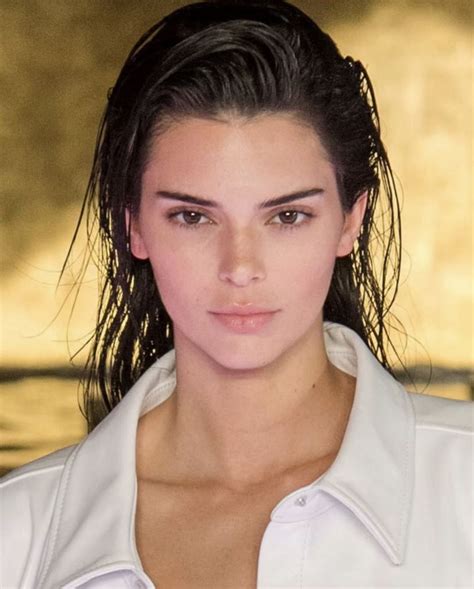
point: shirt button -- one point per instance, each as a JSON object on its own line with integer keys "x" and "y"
{"x": 301, "y": 501}
{"x": 139, "y": 584}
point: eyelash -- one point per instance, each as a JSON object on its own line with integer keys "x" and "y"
{"x": 173, "y": 214}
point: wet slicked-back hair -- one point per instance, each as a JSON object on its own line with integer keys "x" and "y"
{"x": 213, "y": 60}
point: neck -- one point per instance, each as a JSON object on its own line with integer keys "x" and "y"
{"x": 239, "y": 431}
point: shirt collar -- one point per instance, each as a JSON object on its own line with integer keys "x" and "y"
{"x": 372, "y": 474}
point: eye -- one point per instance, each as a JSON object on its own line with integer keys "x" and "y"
{"x": 191, "y": 218}
{"x": 289, "y": 216}
{"x": 188, "y": 215}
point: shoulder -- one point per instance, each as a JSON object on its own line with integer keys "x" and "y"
{"x": 443, "y": 458}
{"x": 443, "y": 446}
{"x": 30, "y": 490}
{"x": 28, "y": 496}
{"x": 443, "y": 415}
{"x": 46, "y": 466}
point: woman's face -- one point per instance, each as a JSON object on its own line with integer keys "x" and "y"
{"x": 206, "y": 257}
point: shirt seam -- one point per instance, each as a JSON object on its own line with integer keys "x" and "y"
{"x": 403, "y": 519}
{"x": 55, "y": 531}
{"x": 408, "y": 482}
{"x": 304, "y": 554}
{"x": 445, "y": 428}
{"x": 93, "y": 572}
{"x": 23, "y": 475}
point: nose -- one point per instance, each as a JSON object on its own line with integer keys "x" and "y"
{"x": 239, "y": 260}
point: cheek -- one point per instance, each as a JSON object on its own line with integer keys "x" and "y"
{"x": 180, "y": 278}
{"x": 310, "y": 264}
{"x": 312, "y": 283}
{"x": 307, "y": 288}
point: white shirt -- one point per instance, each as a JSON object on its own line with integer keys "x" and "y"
{"x": 393, "y": 510}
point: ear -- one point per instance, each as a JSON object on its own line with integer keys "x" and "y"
{"x": 137, "y": 245}
{"x": 352, "y": 224}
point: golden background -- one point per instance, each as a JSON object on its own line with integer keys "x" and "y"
{"x": 57, "y": 61}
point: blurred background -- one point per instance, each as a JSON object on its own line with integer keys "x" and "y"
{"x": 58, "y": 59}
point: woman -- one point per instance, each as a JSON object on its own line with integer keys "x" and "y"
{"x": 245, "y": 426}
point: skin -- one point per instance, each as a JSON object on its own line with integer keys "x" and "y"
{"x": 247, "y": 407}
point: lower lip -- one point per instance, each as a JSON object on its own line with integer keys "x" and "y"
{"x": 245, "y": 323}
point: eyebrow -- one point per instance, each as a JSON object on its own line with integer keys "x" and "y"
{"x": 266, "y": 204}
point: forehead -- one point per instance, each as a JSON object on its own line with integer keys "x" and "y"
{"x": 207, "y": 154}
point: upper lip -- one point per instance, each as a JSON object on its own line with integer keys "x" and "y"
{"x": 238, "y": 309}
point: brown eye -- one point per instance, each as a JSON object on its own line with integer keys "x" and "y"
{"x": 192, "y": 216}
{"x": 288, "y": 219}
{"x": 288, "y": 216}
{"x": 189, "y": 219}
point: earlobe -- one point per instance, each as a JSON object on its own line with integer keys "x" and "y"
{"x": 137, "y": 246}
{"x": 352, "y": 224}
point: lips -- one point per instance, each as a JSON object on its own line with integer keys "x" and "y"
{"x": 246, "y": 318}
{"x": 242, "y": 310}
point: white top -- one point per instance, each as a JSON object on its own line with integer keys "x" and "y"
{"x": 393, "y": 510}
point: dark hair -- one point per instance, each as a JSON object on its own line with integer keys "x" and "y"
{"x": 216, "y": 58}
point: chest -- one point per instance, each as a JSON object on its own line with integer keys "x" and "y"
{"x": 192, "y": 539}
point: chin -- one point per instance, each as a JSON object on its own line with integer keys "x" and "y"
{"x": 246, "y": 355}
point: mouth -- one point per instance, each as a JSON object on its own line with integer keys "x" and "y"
{"x": 243, "y": 310}
{"x": 245, "y": 322}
